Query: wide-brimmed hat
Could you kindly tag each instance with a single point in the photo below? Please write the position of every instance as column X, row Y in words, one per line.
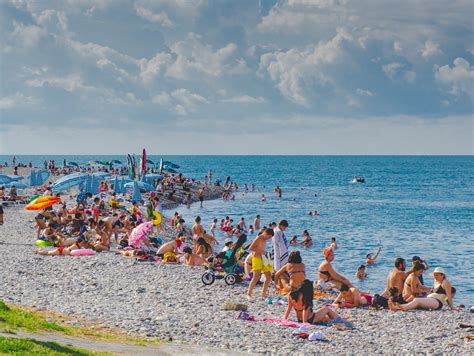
column 438, row 270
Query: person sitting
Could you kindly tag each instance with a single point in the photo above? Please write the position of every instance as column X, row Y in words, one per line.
column 361, row 274
column 352, row 298
column 301, row 300
column 292, row 274
column 191, row 259
column 417, row 259
column 395, row 282
column 202, row 248
column 328, row 275
column 443, row 292
column 413, row 287
column 171, row 246
column 369, row 259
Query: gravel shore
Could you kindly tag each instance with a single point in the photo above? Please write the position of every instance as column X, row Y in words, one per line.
column 171, row 303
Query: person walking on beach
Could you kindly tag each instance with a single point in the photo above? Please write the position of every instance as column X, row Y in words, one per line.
column 280, row 245
column 260, row 263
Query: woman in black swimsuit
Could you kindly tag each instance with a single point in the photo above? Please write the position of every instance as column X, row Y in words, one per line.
column 302, row 301
column 291, row 275
column 327, row 274
column 442, row 292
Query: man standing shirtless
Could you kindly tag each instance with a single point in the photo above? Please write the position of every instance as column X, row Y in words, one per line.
column 260, row 263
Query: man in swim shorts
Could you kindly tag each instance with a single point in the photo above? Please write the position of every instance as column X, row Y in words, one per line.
column 260, row 263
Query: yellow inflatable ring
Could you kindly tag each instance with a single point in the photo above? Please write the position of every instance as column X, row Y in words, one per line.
column 156, row 218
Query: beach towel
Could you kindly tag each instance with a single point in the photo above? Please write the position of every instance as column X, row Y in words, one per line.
column 280, row 249
column 246, row 316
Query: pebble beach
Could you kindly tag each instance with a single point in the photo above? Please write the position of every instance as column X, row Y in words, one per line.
column 171, row 303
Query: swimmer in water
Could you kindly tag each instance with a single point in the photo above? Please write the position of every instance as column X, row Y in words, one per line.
column 371, row 260
column 294, row 240
column 361, row 274
column 263, row 197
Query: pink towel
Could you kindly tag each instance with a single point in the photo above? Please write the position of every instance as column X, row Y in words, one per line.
column 283, row 322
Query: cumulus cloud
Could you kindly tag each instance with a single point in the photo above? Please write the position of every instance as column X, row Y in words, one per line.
column 244, row 99
column 152, row 67
column 391, row 69
column 70, row 83
column 460, row 77
column 159, row 18
column 430, row 49
column 291, row 69
column 182, row 101
column 194, row 57
column 27, row 35
column 17, row 100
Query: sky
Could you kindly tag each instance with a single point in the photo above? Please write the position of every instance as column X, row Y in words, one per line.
column 237, row 77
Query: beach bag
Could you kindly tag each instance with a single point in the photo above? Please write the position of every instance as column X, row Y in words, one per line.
column 245, row 316
column 379, row 302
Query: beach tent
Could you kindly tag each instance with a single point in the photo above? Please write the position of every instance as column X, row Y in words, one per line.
column 42, row 176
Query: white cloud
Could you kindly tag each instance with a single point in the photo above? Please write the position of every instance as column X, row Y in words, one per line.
column 163, row 99
column 353, row 102
column 244, row 99
column 293, row 68
column 192, row 57
column 397, row 47
column 160, row 18
column 17, row 100
column 182, row 101
column 391, row 69
column 152, row 67
column 27, row 36
column 430, row 49
column 70, row 83
column 460, row 77
column 364, row 92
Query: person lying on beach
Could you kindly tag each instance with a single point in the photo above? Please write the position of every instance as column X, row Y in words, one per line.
column 64, row 251
column 369, row 259
column 301, row 300
column 291, row 275
column 260, row 263
column 352, row 298
column 443, row 292
column 327, row 274
column 361, row 274
column 191, row 259
column 412, row 287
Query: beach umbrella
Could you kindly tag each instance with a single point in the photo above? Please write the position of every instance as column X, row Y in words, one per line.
column 101, row 175
column 140, row 185
column 94, row 185
column 69, row 181
column 117, row 187
column 153, row 176
column 122, row 185
column 116, row 161
column 14, row 178
column 34, row 179
column 170, row 170
column 42, row 202
column 138, row 234
column 143, row 160
column 171, row 164
column 149, row 161
column 73, row 164
column 160, row 166
column 17, row 185
column 136, row 196
column 4, row 179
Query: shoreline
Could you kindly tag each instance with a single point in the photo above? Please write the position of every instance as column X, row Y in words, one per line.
column 171, row 303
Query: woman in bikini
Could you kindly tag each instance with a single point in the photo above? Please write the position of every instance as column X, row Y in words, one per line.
column 413, row 287
column 191, row 259
column 328, row 275
column 291, row 275
column 202, row 248
column 64, row 251
column 301, row 300
column 443, row 292
column 352, row 298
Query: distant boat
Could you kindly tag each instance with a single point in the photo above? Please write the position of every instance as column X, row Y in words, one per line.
column 358, row 179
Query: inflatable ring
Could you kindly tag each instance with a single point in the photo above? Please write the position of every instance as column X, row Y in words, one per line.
column 156, row 218
column 43, row 243
column 82, row 252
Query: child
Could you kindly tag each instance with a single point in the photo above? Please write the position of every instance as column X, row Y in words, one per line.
column 361, row 274
column 213, row 227
column 351, row 298
column 260, row 263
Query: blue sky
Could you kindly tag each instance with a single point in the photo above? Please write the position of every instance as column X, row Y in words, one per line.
column 237, row 77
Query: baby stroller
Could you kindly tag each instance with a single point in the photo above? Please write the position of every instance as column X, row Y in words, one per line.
column 225, row 266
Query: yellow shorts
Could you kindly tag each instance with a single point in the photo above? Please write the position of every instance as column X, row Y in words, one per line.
column 257, row 265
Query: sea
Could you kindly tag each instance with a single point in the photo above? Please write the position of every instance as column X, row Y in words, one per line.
column 409, row 205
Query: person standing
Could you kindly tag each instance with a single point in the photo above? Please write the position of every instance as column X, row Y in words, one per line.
column 256, row 223
column 260, row 263
column 201, row 195
column 280, row 246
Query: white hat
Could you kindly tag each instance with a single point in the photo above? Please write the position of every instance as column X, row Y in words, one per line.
column 438, row 270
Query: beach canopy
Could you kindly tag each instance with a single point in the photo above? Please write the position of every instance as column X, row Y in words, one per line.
column 138, row 234
column 140, row 185
column 17, row 185
column 69, row 181
column 42, row 202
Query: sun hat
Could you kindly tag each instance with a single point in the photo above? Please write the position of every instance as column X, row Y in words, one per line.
column 438, row 270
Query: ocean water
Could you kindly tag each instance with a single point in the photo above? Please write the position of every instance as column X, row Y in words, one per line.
column 411, row 205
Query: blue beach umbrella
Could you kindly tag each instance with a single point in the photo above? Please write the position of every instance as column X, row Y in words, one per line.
column 33, row 179
column 69, row 181
column 140, row 185
column 4, row 179
column 17, row 185
column 137, row 196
